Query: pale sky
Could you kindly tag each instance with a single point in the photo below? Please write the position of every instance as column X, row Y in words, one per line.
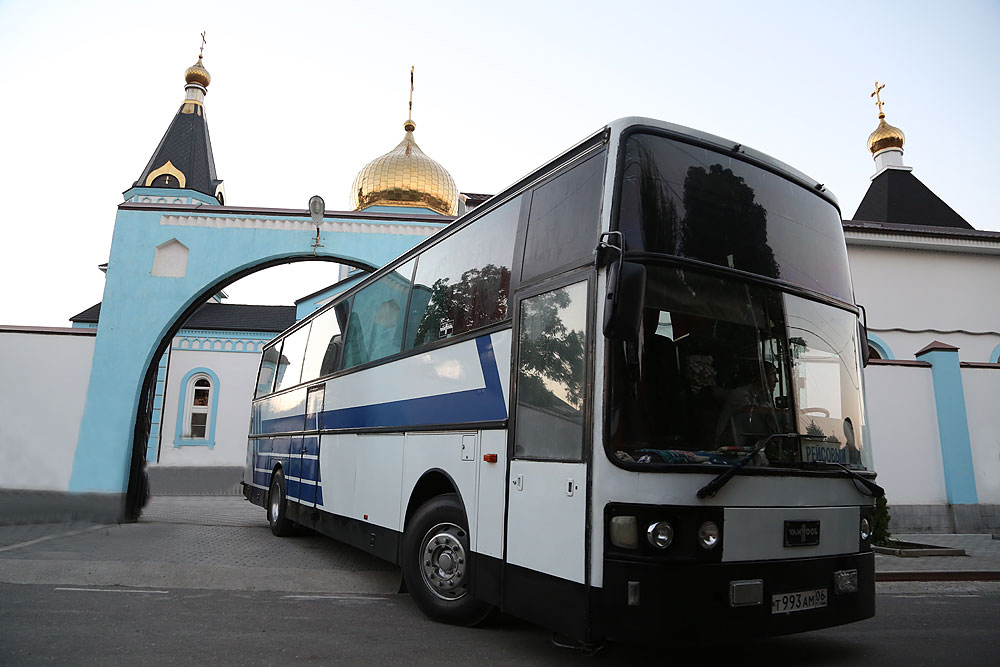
column 304, row 94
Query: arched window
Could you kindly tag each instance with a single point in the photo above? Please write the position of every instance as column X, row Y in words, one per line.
column 196, row 410
column 196, row 424
column 878, row 348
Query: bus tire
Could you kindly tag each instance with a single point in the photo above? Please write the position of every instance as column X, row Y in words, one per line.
column 435, row 563
column 281, row 525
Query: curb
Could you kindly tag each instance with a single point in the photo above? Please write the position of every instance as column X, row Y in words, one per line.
column 955, row 575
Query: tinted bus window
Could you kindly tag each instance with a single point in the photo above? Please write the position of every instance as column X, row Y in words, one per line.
column 325, row 342
column 375, row 326
column 265, row 377
column 290, row 363
column 564, row 219
column 684, row 200
column 463, row 283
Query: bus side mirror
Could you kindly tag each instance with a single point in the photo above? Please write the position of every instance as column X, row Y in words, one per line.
column 623, row 301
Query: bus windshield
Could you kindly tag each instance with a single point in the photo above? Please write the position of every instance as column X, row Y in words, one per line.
column 688, row 201
column 721, row 364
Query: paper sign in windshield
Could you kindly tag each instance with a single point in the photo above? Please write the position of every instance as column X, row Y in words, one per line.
column 824, row 453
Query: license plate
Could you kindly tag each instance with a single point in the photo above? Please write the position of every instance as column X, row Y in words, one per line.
column 785, row 603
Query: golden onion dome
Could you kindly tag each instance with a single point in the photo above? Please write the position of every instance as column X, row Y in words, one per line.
column 885, row 136
column 405, row 176
column 198, row 74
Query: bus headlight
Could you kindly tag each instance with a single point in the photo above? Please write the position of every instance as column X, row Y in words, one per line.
column 866, row 529
column 624, row 532
column 660, row 534
column 708, row 535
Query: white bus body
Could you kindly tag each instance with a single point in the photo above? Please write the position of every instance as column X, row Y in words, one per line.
column 392, row 420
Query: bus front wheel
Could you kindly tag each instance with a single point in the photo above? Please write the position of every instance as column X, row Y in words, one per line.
column 281, row 525
column 436, row 563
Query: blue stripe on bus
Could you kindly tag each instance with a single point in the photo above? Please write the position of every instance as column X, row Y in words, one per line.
column 473, row 405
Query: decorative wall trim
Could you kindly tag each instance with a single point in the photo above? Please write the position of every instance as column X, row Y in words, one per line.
column 912, row 363
column 915, row 241
column 304, row 224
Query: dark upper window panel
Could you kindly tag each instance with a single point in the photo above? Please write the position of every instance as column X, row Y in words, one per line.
column 688, row 201
column 564, row 220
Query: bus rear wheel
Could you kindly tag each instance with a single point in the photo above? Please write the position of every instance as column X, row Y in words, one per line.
column 436, row 566
column 281, row 525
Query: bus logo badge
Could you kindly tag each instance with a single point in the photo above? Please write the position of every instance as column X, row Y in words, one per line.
column 801, row 533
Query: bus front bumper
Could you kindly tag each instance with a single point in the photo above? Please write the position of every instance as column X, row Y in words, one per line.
column 644, row 602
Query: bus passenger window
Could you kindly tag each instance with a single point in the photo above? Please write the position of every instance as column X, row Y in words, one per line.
column 375, row 328
column 463, row 283
column 325, row 342
column 289, row 371
column 265, row 377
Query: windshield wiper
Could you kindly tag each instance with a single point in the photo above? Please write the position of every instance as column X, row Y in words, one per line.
column 875, row 490
column 713, row 487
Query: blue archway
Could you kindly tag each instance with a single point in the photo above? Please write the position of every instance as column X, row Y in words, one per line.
column 166, row 260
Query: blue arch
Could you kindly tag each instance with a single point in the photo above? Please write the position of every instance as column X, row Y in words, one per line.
column 209, row 439
column 140, row 310
column 995, row 355
column 880, row 346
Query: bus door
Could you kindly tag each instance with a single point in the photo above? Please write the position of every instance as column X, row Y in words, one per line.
column 547, row 489
column 309, row 492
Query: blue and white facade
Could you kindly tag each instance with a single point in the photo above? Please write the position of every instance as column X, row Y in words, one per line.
column 933, row 394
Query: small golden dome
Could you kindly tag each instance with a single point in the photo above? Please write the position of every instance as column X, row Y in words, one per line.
column 405, row 177
column 198, row 74
column 885, row 136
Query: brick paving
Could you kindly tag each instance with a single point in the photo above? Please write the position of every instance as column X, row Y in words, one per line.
column 210, row 542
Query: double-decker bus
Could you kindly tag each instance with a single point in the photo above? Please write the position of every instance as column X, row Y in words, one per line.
column 623, row 394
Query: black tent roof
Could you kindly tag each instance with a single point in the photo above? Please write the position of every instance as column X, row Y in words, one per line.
column 188, row 147
column 222, row 317
column 897, row 196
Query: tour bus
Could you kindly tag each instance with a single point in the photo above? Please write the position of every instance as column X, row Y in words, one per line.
column 621, row 396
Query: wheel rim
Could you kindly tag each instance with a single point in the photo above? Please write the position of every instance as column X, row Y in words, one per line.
column 443, row 561
column 275, row 503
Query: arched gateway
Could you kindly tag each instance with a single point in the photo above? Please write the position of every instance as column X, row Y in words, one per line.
column 176, row 243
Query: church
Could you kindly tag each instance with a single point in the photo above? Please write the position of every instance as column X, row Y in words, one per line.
column 165, row 338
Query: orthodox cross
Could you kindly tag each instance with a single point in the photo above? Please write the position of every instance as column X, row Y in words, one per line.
column 202, row 49
column 411, row 92
column 878, row 98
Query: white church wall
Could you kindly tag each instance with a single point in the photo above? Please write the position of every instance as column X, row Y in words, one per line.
column 982, row 401
column 929, row 293
column 905, row 444
column 236, row 373
column 45, row 378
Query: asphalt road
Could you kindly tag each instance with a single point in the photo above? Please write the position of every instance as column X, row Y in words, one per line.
column 917, row 624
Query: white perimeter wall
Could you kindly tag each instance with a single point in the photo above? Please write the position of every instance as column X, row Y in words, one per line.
column 906, row 448
column 237, row 373
column 927, row 290
column 44, row 388
column 982, row 404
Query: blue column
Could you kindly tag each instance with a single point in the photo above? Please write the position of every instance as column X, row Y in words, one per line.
column 953, row 424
